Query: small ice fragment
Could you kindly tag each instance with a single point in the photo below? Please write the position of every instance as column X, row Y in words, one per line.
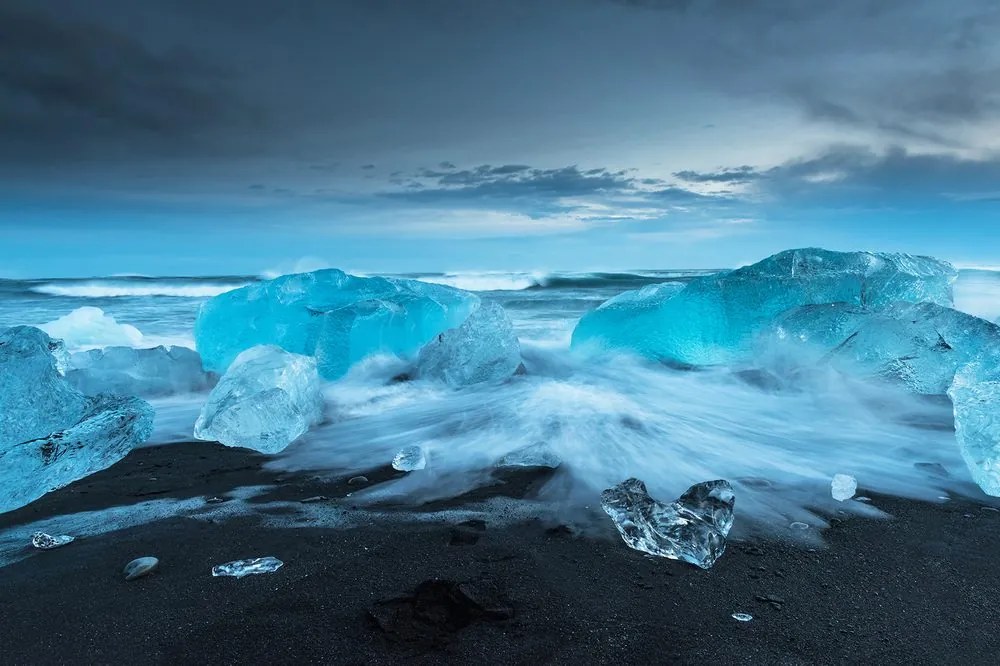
column 742, row 617
column 140, row 567
column 798, row 525
column 240, row 568
column 44, row 541
column 843, row 487
column 692, row 529
column 533, row 455
column 862, row 498
column 409, row 459
column 314, row 499
column 357, row 480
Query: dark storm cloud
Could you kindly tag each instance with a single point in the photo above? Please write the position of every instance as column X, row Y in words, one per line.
column 65, row 84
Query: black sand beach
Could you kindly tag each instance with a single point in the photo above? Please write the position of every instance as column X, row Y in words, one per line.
column 919, row 588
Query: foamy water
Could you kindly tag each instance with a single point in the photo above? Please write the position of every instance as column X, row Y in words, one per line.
column 607, row 418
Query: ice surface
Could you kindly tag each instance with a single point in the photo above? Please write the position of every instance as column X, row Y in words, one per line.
column 692, row 529
column 153, row 372
column 714, row 319
column 975, row 395
column 88, row 327
column 108, row 429
column 409, row 459
column 843, row 487
column 534, row 455
column 266, row 400
column 920, row 346
column 34, row 399
column 484, row 348
column 44, row 541
column 241, row 568
column 338, row 318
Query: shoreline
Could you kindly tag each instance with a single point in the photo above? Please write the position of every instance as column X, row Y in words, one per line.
column 917, row 588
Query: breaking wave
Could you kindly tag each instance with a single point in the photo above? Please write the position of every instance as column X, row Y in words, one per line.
column 134, row 288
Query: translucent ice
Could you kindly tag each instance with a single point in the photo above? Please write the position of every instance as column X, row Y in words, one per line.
column 920, row 346
column 88, row 327
column 44, row 541
column 843, row 487
column 241, row 568
column 107, row 430
column 34, row 399
column 534, row 455
column 975, row 395
column 693, row 528
column 153, row 372
column 266, row 400
column 338, row 318
column 409, row 459
column 484, row 348
column 715, row 318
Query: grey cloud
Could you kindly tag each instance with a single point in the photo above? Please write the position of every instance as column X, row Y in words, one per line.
column 732, row 175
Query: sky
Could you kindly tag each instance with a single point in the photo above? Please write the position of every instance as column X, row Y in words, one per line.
column 208, row 137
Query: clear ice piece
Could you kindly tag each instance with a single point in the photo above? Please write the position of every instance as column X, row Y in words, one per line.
column 715, row 319
column 484, row 348
column 409, row 459
column 742, row 617
column 34, row 399
column 918, row 346
column 843, row 487
column 109, row 428
column 148, row 373
column 692, row 529
column 265, row 401
column 335, row 317
column 799, row 525
column 534, row 455
column 88, row 327
column 241, row 568
column 141, row 566
column 975, row 396
column 44, row 541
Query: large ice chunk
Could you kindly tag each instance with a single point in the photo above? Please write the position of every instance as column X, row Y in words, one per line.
column 266, row 400
column 34, row 398
column 109, row 428
column 152, row 372
column 919, row 346
column 336, row 317
column 88, row 328
column 975, row 395
column 714, row 319
column 484, row 348
column 693, row 528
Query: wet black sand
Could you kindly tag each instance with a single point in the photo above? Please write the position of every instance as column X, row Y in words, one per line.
column 923, row 587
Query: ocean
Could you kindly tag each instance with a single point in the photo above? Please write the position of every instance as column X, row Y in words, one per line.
column 606, row 419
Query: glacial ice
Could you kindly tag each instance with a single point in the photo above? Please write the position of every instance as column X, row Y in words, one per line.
column 484, row 348
column 714, row 319
column 843, row 487
column 335, row 317
column 34, row 399
column 108, row 428
column 88, row 328
column 267, row 399
column 975, row 395
column 152, row 372
column 43, row 541
column 533, row 455
column 409, row 459
column 241, row 568
column 692, row 529
column 919, row 346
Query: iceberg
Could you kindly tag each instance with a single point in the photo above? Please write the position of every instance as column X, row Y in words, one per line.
column 108, row 429
column 88, row 327
column 692, row 529
column 918, row 346
column 337, row 318
column 266, row 400
column 483, row 349
column 975, row 396
column 714, row 319
column 152, row 372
